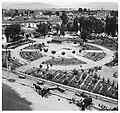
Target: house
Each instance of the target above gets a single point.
(4, 39)
(32, 23)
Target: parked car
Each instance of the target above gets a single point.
(40, 82)
(21, 76)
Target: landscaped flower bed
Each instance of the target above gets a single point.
(64, 61)
(108, 43)
(94, 56)
(19, 43)
(30, 56)
(91, 47)
(114, 62)
(35, 46)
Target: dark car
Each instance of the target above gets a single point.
(22, 76)
(40, 82)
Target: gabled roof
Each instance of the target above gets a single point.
(20, 18)
(38, 20)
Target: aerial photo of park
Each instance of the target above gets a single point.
(60, 56)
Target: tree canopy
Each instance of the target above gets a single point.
(13, 31)
(43, 28)
(64, 18)
(91, 24)
(80, 10)
(111, 25)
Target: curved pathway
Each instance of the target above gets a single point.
(89, 63)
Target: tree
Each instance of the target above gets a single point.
(111, 26)
(87, 24)
(80, 10)
(103, 79)
(108, 81)
(75, 23)
(113, 83)
(63, 53)
(73, 52)
(62, 29)
(84, 75)
(57, 13)
(50, 76)
(12, 31)
(114, 13)
(27, 12)
(80, 51)
(95, 76)
(85, 35)
(57, 27)
(87, 101)
(40, 66)
(53, 52)
(65, 82)
(91, 24)
(70, 26)
(85, 10)
(45, 50)
(31, 12)
(94, 81)
(10, 13)
(64, 18)
(47, 13)
(75, 72)
(43, 28)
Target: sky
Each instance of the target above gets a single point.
(72, 3)
(67, 3)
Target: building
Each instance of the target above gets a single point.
(57, 39)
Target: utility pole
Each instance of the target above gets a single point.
(7, 63)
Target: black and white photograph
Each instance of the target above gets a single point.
(59, 55)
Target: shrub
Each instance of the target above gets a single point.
(45, 50)
(53, 52)
(73, 52)
(48, 41)
(75, 42)
(75, 72)
(63, 53)
(80, 51)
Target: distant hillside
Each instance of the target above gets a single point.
(99, 5)
(33, 5)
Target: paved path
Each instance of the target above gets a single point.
(61, 47)
(89, 63)
(35, 63)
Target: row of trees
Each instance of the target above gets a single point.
(88, 25)
(15, 12)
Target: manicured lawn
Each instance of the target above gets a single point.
(64, 61)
